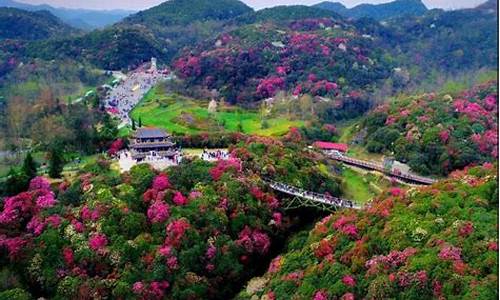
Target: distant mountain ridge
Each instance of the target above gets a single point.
(379, 12)
(85, 19)
(27, 25)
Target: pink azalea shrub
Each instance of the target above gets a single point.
(161, 182)
(98, 241)
(158, 212)
(179, 199)
(449, 252)
(253, 241)
(116, 146)
(175, 232)
(46, 201)
(349, 280)
(320, 295)
(223, 166)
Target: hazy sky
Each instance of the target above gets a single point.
(143, 4)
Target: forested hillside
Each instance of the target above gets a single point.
(23, 25)
(384, 11)
(438, 133)
(426, 243)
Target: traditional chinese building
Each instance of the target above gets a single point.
(153, 142)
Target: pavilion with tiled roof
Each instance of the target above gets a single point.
(151, 141)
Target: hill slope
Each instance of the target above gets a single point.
(427, 243)
(25, 25)
(157, 32)
(182, 12)
(436, 134)
(383, 11)
(290, 52)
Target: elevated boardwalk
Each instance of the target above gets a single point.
(379, 168)
(303, 198)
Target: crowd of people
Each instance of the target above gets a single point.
(212, 155)
(127, 94)
(324, 198)
(175, 160)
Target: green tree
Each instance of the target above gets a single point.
(16, 182)
(133, 125)
(29, 166)
(56, 163)
(140, 122)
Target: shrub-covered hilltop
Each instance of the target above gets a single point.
(437, 242)
(197, 231)
(438, 133)
(318, 56)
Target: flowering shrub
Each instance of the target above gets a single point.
(385, 262)
(223, 166)
(158, 212)
(98, 241)
(436, 134)
(187, 242)
(304, 59)
(116, 146)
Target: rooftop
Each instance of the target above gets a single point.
(150, 132)
(331, 146)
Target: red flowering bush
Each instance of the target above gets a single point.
(223, 166)
(158, 212)
(98, 241)
(436, 134)
(386, 261)
(116, 146)
(273, 62)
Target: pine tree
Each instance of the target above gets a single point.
(56, 163)
(140, 122)
(29, 166)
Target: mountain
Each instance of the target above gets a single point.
(80, 18)
(448, 41)
(24, 25)
(183, 12)
(333, 6)
(377, 11)
(160, 31)
(110, 48)
(490, 6)
(286, 13)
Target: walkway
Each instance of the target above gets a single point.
(308, 198)
(125, 96)
(377, 167)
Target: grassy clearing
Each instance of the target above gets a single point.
(178, 114)
(348, 130)
(362, 187)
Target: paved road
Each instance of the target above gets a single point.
(125, 96)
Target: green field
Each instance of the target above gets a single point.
(362, 187)
(178, 114)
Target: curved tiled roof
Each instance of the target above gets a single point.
(150, 132)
